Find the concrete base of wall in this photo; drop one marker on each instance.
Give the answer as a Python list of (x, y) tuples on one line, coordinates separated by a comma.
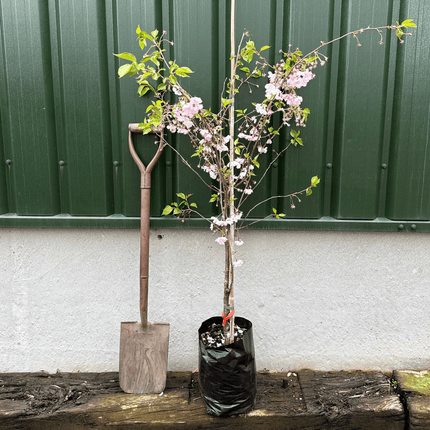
[(322, 300)]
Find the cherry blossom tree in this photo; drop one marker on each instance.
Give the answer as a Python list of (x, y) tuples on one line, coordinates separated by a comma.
[(228, 144)]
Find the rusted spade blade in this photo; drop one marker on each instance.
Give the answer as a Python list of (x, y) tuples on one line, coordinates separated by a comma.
[(144, 346)]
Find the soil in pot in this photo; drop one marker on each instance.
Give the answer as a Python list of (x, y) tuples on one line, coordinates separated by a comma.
[(227, 373), (214, 336)]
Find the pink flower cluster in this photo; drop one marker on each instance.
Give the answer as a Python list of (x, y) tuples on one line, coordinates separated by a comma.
[(300, 78), (183, 113), (211, 169), (229, 221), (296, 79), (252, 137)]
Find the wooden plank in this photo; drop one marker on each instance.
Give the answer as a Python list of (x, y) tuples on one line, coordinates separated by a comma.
[(414, 388), (279, 404), (309, 400), (357, 399)]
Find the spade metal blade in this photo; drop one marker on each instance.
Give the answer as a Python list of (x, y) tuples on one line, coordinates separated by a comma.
[(143, 357)]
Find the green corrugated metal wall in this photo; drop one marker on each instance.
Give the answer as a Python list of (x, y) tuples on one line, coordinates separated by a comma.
[(64, 113)]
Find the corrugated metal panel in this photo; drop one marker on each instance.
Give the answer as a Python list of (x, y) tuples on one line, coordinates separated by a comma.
[(409, 174), (64, 113), (27, 116)]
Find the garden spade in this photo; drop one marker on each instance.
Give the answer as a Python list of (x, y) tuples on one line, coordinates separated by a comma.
[(143, 346)]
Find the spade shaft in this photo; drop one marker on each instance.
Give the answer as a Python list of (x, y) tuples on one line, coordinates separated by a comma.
[(145, 204)]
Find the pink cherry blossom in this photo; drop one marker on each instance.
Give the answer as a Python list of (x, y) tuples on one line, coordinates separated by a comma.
[(237, 263), (300, 78), (233, 164), (221, 240), (176, 90), (215, 220), (222, 148), (196, 103), (293, 99), (247, 191), (271, 91), (238, 242), (261, 109), (206, 135)]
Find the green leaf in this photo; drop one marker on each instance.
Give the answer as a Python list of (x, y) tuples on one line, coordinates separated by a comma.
[(213, 198), (315, 181), (308, 191), (226, 102), (146, 128), (142, 90), (294, 133), (182, 71), (147, 84), (155, 61), (173, 67), (154, 34), (274, 210), (143, 76), (399, 33), (167, 210), (181, 195), (248, 51), (408, 23), (144, 60), (176, 211), (193, 205), (126, 56), (161, 87), (143, 35), (264, 48), (124, 69), (147, 36)]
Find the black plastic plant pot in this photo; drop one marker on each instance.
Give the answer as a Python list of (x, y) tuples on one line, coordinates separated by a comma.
[(227, 375)]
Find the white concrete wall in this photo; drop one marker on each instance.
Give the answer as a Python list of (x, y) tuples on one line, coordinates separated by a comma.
[(325, 300)]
